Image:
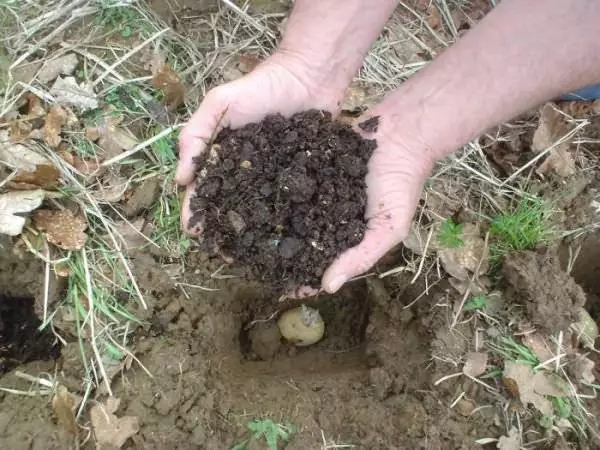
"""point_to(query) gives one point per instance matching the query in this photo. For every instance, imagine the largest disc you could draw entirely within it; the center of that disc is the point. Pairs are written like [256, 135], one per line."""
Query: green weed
[450, 234]
[477, 302]
[118, 18]
[268, 430]
[168, 233]
[520, 229]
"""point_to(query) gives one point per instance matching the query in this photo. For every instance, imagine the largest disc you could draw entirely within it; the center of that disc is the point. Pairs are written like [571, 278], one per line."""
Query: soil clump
[284, 196]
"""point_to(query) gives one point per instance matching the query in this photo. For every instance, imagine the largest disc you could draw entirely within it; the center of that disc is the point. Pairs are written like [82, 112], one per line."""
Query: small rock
[236, 221]
[465, 407]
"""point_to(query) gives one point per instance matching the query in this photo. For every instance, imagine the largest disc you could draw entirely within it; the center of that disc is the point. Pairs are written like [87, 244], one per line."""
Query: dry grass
[205, 57]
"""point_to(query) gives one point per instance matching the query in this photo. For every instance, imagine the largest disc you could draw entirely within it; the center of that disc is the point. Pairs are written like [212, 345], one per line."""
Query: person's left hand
[397, 171]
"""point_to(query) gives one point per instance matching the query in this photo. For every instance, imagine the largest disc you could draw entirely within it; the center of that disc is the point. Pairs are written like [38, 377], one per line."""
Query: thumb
[376, 242]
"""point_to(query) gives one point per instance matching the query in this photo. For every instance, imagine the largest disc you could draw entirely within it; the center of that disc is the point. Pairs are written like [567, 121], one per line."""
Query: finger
[376, 242]
[196, 134]
[197, 228]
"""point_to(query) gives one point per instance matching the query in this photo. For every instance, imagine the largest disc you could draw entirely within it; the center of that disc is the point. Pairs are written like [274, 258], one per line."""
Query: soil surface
[284, 196]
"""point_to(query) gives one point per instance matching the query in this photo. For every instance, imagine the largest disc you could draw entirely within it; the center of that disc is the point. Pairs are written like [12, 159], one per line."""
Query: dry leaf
[16, 202]
[19, 130]
[63, 406]
[247, 63]
[52, 126]
[111, 138]
[63, 65]
[547, 383]
[111, 189]
[461, 261]
[168, 80]
[18, 155]
[34, 106]
[539, 346]
[583, 369]
[434, 18]
[553, 126]
[110, 429]
[62, 228]
[66, 91]
[476, 364]
[523, 376]
[131, 233]
[86, 166]
[44, 176]
[510, 442]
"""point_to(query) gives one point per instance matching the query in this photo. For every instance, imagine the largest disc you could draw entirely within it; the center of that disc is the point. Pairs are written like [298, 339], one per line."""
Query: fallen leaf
[63, 406]
[66, 91]
[19, 156]
[86, 166]
[111, 188]
[110, 429]
[434, 18]
[44, 176]
[111, 138]
[62, 228]
[583, 369]
[61, 270]
[19, 130]
[465, 259]
[510, 442]
[34, 106]
[63, 65]
[476, 364]
[546, 383]
[131, 234]
[539, 346]
[525, 380]
[168, 80]
[52, 126]
[16, 202]
[247, 63]
[553, 126]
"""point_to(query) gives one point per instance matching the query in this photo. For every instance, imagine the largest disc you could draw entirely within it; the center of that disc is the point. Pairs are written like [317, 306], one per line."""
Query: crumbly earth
[548, 293]
[284, 196]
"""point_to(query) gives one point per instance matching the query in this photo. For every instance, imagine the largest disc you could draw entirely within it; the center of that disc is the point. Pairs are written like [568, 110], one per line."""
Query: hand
[397, 171]
[281, 84]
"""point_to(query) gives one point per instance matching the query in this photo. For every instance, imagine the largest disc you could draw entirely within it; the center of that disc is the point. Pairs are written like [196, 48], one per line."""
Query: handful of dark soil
[284, 196]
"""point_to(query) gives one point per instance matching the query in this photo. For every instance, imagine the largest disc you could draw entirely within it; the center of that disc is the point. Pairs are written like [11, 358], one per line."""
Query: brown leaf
[476, 364]
[110, 429]
[434, 18]
[247, 63]
[86, 166]
[539, 346]
[462, 260]
[111, 138]
[168, 80]
[553, 126]
[63, 406]
[44, 176]
[63, 65]
[62, 228]
[34, 106]
[524, 378]
[19, 130]
[583, 369]
[52, 126]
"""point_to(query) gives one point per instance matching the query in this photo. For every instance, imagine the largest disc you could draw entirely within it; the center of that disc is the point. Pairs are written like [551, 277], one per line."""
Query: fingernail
[337, 283]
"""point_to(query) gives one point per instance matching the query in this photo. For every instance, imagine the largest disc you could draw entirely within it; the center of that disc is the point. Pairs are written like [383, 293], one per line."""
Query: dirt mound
[548, 293]
[284, 196]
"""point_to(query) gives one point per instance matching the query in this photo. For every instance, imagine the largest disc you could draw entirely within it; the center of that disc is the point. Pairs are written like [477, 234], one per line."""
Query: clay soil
[284, 196]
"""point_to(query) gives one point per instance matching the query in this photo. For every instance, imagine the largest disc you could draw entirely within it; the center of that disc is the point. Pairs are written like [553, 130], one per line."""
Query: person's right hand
[281, 84]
